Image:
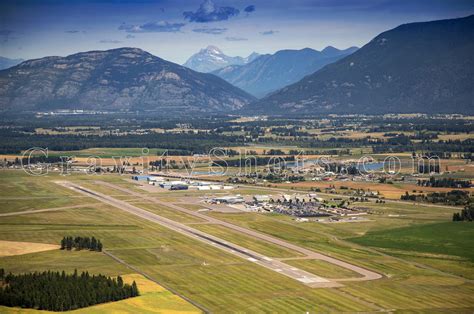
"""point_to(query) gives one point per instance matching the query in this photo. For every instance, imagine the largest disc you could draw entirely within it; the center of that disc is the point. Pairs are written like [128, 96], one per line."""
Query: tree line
[55, 291]
[445, 183]
[454, 197]
[80, 243]
[14, 142]
[252, 161]
[467, 214]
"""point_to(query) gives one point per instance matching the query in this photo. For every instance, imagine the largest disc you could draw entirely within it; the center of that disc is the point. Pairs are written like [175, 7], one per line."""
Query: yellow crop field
[10, 248]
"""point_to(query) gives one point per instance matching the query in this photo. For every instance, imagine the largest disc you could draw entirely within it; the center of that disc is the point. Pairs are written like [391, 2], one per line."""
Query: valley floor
[423, 257]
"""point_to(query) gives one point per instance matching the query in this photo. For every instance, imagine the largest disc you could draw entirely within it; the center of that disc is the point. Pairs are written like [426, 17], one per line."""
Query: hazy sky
[174, 30]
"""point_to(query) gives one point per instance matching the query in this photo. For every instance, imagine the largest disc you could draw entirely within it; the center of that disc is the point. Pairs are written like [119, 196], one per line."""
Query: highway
[275, 265]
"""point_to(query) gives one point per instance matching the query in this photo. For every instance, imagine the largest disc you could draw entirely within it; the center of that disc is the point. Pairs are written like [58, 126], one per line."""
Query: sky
[174, 30]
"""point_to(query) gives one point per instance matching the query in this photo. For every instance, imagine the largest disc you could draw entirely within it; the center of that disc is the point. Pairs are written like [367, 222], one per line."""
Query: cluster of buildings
[64, 112]
[301, 209]
[297, 205]
[304, 208]
[183, 184]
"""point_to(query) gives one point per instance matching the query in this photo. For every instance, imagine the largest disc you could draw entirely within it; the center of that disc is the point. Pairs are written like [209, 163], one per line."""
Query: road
[280, 267]
[365, 274]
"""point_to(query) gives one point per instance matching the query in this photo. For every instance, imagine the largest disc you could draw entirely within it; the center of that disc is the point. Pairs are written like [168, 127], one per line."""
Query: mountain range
[270, 72]
[212, 58]
[117, 79]
[425, 67]
[6, 63]
[422, 67]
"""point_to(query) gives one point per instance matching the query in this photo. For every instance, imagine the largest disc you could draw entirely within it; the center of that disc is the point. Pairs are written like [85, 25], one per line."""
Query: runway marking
[309, 280]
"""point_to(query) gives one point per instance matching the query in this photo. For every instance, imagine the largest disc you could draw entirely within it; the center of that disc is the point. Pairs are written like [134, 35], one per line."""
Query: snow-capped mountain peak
[212, 58]
[212, 50]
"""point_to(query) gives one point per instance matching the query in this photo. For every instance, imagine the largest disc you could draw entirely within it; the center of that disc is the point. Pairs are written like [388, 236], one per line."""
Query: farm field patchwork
[216, 280]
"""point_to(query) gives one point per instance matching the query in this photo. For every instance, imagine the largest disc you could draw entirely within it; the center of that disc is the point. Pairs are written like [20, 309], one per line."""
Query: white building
[228, 199]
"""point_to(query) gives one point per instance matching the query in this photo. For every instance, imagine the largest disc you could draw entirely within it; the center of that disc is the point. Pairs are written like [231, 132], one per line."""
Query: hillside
[117, 79]
[418, 67]
[6, 63]
[268, 72]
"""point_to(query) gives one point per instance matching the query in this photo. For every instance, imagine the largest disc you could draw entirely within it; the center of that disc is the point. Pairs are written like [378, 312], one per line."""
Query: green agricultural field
[219, 281]
[448, 238]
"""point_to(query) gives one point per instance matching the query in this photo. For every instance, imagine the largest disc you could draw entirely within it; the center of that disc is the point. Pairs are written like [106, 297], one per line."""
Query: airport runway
[365, 274]
[254, 257]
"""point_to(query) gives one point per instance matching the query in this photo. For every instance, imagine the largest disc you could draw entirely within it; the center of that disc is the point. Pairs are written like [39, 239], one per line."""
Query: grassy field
[323, 268]
[221, 282]
[448, 238]
[19, 192]
[256, 245]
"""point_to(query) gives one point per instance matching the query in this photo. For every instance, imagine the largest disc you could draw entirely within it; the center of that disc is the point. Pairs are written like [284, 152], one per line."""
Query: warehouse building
[237, 199]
